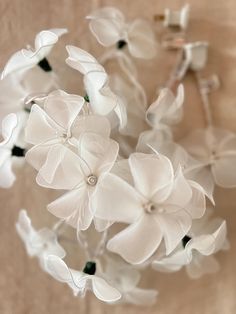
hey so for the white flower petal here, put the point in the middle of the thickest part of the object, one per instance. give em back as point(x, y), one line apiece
point(102, 99)
point(202, 265)
point(141, 40)
point(107, 24)
point(58, 269)
point(142, 297)
point(82, 61)
point(7, 177)
point(197, 204)
point(91, 123)
point(107, 32)
point(99, 153)
point(174, 223)
point(9, 124)
point(63, 107)
point(40, 127)
point(203, 176)
point(173, 262)
point(151, 173)
point(167, 109)
point(116, 200)
point(73, 207)
point(139, 241)
point(181, 191)
point(26, 59)
point(55, 157)
point(103, 291)
point(223, 172)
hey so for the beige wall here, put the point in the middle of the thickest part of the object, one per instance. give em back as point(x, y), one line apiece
point(24, 289)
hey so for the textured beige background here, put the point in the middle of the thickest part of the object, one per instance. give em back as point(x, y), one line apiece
point(24, 289)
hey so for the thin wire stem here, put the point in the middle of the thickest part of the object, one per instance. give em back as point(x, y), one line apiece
point(122, 59)
point(205, 100)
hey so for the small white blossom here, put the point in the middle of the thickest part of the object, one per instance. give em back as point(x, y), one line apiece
point(102, 100)
point(81, 282)
point(109, 27)
point(216, 149)
point(96, 156)
point(157, 207)
point(197, 249)
point(39, 243)
point(28, 58)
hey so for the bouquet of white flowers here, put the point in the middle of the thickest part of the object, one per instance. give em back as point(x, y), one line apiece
point(115, 160)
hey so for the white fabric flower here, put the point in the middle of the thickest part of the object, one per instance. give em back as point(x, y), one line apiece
point(109, 27)
point(39, 243)
point(17, 87)
point(166, 111)
point(101, 98)
point(193, 169)
point(125, 278)
point(159, 207)
point(81, 282)
point(55, 129)
point(96, 156)
point(196, 250)
point(28, 58)
point(135, 108)
point(12, 126)
point(216, 149)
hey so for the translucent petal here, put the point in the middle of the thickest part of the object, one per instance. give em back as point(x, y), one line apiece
point(82, 61)
point(103, 291)
point(116, 200)
point(137, 242)
point(141, 40)
point(150, 173)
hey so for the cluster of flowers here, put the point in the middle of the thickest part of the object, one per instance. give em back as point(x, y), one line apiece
point(115, 160)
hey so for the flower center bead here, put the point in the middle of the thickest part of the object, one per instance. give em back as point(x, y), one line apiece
point(90, 268)
point(185, 240)
point(92, 180)
point(65, 136)
point(121, 44)
point(149, 207)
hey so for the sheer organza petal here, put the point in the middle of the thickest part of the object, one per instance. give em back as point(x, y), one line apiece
point(9, 124)
point(27, 58)
point(142, 297)
point(139, 241)
point(63, 107)
point(167, 108)
point(40, 127)
point(174, 223)
point(82, 61)
point(99, 153)
point(103, 291)
point(197, 204)
point(102, 100)
point(150, 173)
point(58, 269)
point(107, 32)
point(141, 40)
point(181, 191)
point(202, 265)
point(7, 176)
point(73, 207)
point(65, 174)
point(116, 200)
point(91, 123)
point(222, 171)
